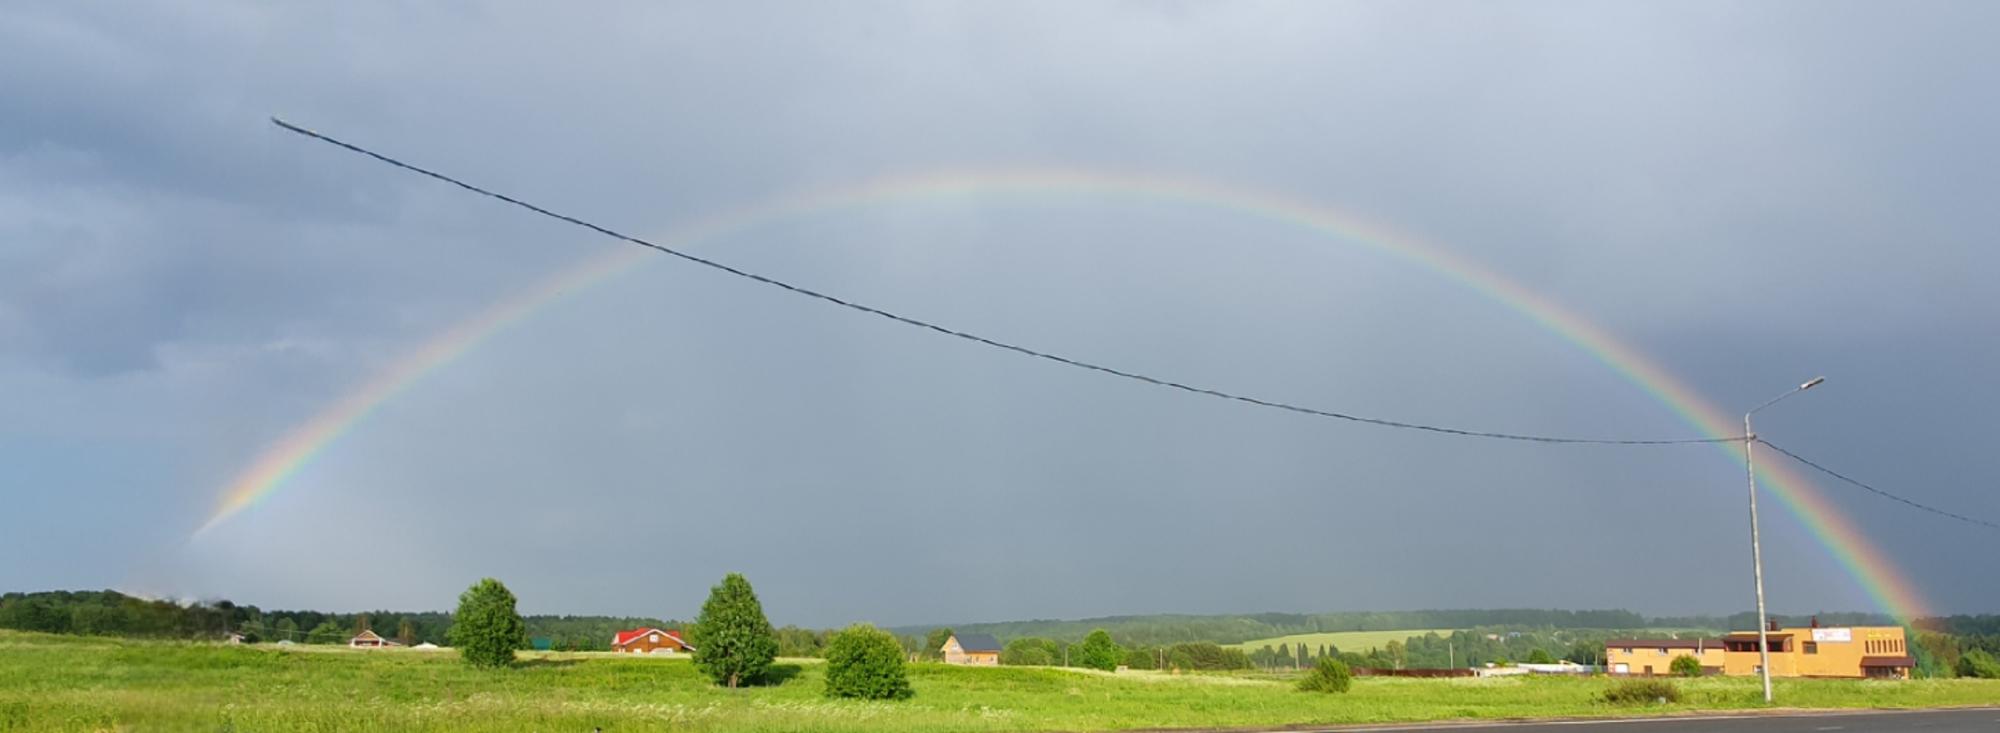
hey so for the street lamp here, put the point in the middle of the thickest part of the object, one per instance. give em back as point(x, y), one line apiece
point(1757, 549)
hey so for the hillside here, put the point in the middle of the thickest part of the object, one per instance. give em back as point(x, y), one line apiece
point(60, 683)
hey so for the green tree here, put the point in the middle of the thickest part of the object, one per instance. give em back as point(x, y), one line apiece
point(1030, 651)
point(1329, 675)
point(287, 628)
point(1180, 660)
point(486, 628)
point(867, 663)
point(327, 632)
point(934, 643)
point(733, 642)
point(1685, 665)
point(406, 633)
point(1098, 651)
point(1978, 663)
point(1540, 656)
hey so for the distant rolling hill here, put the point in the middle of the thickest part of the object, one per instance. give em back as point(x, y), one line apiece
point(1346, 641)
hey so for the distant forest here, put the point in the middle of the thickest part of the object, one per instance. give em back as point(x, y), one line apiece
point(110, 613)
point(1233, 629)
point(1559, 633)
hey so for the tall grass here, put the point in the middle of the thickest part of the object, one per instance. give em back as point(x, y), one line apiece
point(50, 683)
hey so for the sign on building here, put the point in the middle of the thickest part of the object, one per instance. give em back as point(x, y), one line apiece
point(1839, 636)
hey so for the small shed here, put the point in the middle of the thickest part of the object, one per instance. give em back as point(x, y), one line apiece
point(972, 649)
point(368, 639)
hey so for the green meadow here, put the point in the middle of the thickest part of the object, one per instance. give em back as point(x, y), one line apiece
point(51, 683)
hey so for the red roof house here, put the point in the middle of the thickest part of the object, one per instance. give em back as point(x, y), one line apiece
point(649, 641)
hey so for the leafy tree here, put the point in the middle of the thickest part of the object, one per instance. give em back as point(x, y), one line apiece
point(486, 628)
point(867, 663)
point(327, 632)
point(1098, 651)
point(1685, 665)
point(934, 643)
point(796, 642)
point(287, 628)
point(733, 642)
point(1329, 675)
point(1142, 658)
point(406, 633)
point(1030, 650)
point(1540, 656)
point(1180, 660)
point(1978, 663)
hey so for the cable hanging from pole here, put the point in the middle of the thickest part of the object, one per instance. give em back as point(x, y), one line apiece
point(1887, 495)
point(983, 340)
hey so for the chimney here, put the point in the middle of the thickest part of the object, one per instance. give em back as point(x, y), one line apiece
point(1815, 621)
point(1774, 623)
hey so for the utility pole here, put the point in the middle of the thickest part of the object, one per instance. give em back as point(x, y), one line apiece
point(1450, 656)
point(1756, 547)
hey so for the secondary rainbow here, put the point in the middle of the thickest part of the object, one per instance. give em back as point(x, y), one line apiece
point(1871, 569)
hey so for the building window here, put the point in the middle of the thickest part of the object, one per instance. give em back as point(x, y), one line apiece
point(1811, 647)
point(1663, 651)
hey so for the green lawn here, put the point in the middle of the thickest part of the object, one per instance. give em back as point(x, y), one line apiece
point(1347, 641)
point(52, 683)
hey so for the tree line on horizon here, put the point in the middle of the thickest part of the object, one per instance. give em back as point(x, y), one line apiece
point(1942, 645)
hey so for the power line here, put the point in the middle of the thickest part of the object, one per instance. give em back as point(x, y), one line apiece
point(1005, 346)
point(1885, 494)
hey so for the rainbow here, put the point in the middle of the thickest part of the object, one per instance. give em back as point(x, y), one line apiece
point(1881, 580)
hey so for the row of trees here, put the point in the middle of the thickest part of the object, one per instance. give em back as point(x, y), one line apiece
point(110, 613)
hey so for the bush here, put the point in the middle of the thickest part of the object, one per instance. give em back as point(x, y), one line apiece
point(1328, 675)
point(1642, 692)
point(733, 641)
point(867, 663)
point(1030, 650)
point(1978, 663)
point(1685, 666)
point(1540, 656)
point(1098, 651)
point(1180, 660)
point(486, 628)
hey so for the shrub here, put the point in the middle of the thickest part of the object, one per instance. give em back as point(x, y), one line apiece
point(1180, 660)
point(733, 642)
point(1540, 656)
point(1685, 666)
point(1642, 692)
point(1978, 663)
point(486, 628)
point(1098, 651)
point(1030, 650)
point(867, 663)
point(1328, 675)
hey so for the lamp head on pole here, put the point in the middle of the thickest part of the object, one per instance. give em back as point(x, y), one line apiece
point(1809, 385)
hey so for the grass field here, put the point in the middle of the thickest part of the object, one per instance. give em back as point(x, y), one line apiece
point(52, 683)
point(1347, 641)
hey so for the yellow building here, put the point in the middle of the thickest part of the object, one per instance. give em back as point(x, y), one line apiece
point(1812, 651)
point(1654, 656)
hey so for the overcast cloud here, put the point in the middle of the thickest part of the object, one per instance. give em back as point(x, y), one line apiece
point(1749, 194)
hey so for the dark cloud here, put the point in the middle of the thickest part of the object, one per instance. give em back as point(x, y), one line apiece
point(1749, 195)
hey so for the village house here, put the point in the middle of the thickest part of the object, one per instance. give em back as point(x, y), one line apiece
point(367, 639)
point(649, 641)
point(971, 649)
point(1811, 651)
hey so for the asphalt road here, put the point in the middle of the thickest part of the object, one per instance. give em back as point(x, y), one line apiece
point(1981, 720)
